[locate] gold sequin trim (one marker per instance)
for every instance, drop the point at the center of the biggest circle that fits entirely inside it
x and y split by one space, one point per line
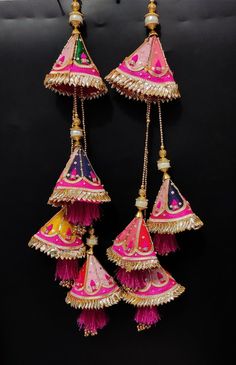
96 303
155 300
143 90
192 222
70 195
56 81
56 252
132 265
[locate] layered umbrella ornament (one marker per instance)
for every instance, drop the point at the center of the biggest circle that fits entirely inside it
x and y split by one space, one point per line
61 240
79 191
160 288
94 290
146 76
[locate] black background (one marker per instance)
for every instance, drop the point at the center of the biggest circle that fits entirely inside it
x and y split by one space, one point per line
199 39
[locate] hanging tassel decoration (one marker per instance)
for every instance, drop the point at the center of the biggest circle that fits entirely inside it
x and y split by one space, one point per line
165 243
93 291
171 212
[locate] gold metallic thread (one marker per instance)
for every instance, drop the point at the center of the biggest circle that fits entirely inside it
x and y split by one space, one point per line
70 195
93 303
155 300
137 89
55 252
181 225
132 265
58 81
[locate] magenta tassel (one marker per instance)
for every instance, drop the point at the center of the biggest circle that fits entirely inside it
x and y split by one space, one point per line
133 279
82 213
66 272
146 317
165 243
92 320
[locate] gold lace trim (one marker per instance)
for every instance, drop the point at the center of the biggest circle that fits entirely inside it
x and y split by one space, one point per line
70 195
155 300
56 81
135 88
55 252
132 265
93 303
192 222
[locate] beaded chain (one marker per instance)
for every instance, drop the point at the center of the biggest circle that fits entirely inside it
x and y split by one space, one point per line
145 160
160 124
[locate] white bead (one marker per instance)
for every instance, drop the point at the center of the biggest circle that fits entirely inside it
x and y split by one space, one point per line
76 17
151 19
163 165
92 241
76 133
141 203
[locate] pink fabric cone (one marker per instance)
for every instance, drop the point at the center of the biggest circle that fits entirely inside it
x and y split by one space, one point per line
133 279
91 320
66 271
146 316
82 213
165 243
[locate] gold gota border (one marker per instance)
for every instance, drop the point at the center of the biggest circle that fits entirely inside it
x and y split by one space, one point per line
155 300
132 265
70 195
55 252
143 90
97 303
193 222
53 81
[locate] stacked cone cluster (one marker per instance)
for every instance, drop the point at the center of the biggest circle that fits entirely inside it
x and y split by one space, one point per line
146 76
78 192
69 235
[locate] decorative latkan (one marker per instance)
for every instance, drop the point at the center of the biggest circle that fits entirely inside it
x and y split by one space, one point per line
74 68
93 291
78 191
133 249
61 240
145 76
160 288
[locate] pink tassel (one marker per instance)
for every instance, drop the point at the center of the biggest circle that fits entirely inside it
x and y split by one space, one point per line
146 317
165 243
82 213
133 280
92 320
66 272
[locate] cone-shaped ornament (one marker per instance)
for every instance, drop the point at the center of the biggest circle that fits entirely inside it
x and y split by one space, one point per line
78 182
59 239
74 67
145 74
160 288
172 213
133 249
93 291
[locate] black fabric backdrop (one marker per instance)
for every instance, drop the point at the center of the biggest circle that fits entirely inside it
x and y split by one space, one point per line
199 39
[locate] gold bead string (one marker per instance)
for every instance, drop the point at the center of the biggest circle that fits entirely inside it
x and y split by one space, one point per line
83 119
160 124
74 113
145 159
